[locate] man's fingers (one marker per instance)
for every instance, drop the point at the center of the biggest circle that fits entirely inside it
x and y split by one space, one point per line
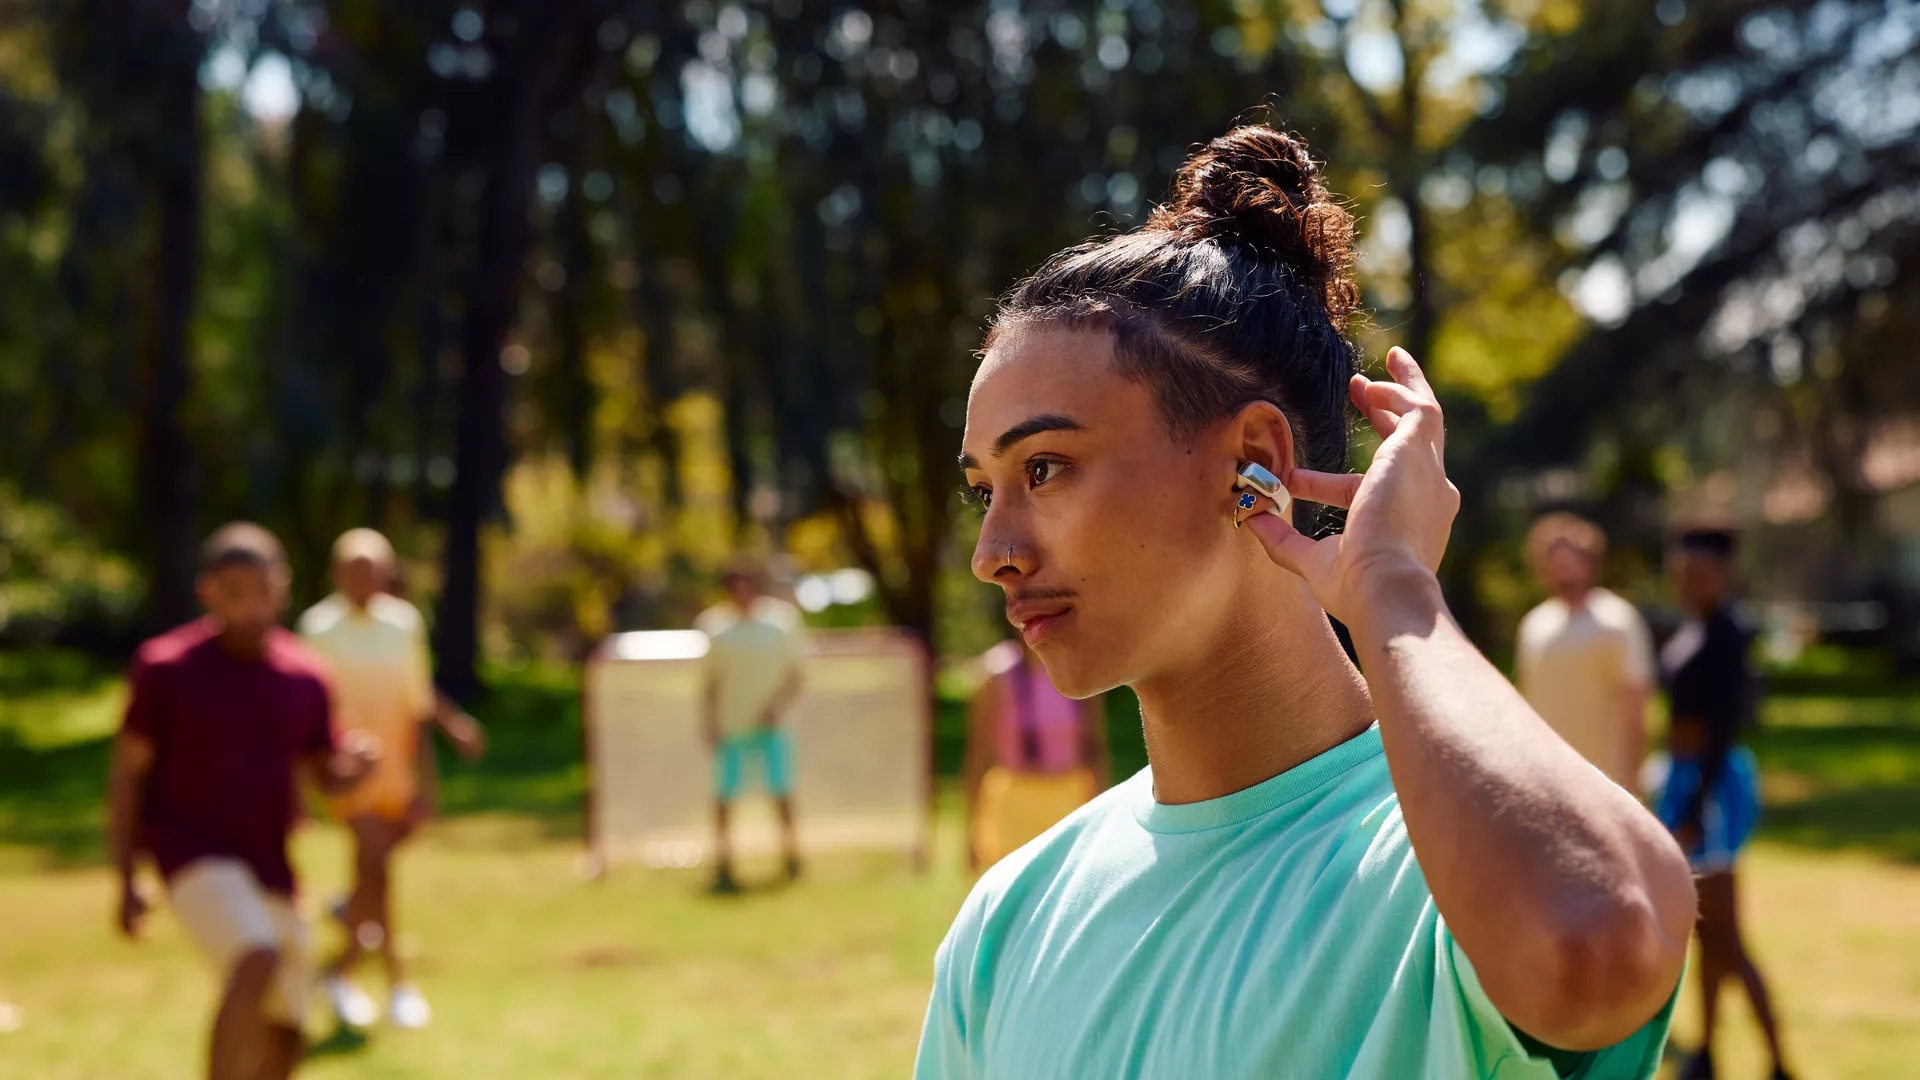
1406 371
1285 545
1332 489
1388 397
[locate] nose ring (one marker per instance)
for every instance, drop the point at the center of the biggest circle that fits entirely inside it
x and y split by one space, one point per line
1009 562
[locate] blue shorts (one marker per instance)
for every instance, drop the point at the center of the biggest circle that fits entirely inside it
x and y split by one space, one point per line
1728 815
767 750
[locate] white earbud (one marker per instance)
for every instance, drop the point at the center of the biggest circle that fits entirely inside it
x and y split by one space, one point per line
1256 478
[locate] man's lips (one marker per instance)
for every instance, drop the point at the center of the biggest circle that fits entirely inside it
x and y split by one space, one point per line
1037 616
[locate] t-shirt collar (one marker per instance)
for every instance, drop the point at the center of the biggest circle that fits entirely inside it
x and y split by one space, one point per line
1248 803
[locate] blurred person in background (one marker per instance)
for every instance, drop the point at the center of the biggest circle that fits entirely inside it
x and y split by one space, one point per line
224 713
375 647
1033 755
751 680
1584 658
1710 795
1391 872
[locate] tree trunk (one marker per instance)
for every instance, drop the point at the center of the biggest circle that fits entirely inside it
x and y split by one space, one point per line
544 71
168 481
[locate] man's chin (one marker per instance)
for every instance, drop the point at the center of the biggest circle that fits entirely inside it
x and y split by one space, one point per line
1070 676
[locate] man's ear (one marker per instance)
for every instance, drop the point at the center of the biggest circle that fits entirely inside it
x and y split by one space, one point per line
204 585
1261 434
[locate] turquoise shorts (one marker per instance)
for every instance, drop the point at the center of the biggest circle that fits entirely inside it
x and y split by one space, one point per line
767 750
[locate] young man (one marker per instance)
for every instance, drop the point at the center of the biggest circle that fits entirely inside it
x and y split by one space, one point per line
752 678
375 646
1584 658
1389 872
224 712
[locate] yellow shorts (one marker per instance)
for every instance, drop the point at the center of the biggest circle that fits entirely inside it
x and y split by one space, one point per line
227 914
388 791
1014 807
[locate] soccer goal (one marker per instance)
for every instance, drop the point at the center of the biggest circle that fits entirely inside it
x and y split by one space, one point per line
862 734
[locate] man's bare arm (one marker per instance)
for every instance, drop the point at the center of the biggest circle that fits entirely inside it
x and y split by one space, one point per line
126 782
339 770
1573 903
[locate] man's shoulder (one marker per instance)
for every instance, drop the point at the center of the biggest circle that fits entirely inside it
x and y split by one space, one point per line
294 659
1614 611
396 612
716 619
322 616
1543 616
772 609
1029 869
176 646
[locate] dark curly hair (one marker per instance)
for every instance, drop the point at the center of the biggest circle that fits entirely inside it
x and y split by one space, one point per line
1237 290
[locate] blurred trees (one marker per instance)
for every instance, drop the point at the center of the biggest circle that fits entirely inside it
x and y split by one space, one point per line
584 296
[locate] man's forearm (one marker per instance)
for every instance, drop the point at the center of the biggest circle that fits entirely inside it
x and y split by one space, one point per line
123 822
1571 901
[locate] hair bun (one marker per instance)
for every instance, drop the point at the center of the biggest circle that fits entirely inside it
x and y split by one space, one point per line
1257 187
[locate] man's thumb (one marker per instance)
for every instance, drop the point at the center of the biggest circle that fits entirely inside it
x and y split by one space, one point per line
1285 545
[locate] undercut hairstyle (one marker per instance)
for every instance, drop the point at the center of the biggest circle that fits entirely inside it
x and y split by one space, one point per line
1238 289
241 543
1561 527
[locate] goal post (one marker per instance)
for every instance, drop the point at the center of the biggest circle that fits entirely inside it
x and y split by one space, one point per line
862 730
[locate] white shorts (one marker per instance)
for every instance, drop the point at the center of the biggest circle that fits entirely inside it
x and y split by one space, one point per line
228 915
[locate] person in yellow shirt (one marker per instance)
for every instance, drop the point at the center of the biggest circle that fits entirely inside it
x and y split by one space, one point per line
375 645
752 679
1584 658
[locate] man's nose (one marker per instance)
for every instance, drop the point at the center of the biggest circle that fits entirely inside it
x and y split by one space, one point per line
997 557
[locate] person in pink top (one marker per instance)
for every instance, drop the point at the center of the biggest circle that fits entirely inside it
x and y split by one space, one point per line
1033 754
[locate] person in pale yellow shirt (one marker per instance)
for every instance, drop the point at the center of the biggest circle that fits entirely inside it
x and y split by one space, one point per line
1584 658
752 678
375 647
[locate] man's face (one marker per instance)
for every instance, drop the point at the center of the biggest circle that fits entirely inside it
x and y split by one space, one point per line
247 597
359 579
1565 568
742 590
1699 578
1120 558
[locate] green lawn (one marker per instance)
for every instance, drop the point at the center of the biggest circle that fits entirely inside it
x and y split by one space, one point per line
535 973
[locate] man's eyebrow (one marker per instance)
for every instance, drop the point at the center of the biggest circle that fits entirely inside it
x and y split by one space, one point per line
1025 429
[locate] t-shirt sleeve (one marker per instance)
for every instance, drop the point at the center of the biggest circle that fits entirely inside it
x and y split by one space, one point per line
1488 1045
944 1049
321 735
146 714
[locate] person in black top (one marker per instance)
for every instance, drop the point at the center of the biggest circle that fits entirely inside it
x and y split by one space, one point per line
1711 796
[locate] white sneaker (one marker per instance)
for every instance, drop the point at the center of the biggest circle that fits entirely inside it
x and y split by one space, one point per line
353 1006
409 1008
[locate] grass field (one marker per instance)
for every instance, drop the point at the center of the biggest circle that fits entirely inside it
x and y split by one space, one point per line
534 973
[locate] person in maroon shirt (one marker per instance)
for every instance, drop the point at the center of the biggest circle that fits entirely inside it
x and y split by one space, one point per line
224 715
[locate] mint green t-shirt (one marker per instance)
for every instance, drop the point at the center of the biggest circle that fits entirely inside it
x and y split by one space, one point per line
1284 931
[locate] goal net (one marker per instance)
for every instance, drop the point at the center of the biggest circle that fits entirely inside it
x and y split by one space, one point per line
862 745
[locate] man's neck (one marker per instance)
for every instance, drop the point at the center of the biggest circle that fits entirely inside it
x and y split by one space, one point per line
241 647
1274 690
1575 598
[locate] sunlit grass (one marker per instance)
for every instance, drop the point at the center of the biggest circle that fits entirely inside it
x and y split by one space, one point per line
536 973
